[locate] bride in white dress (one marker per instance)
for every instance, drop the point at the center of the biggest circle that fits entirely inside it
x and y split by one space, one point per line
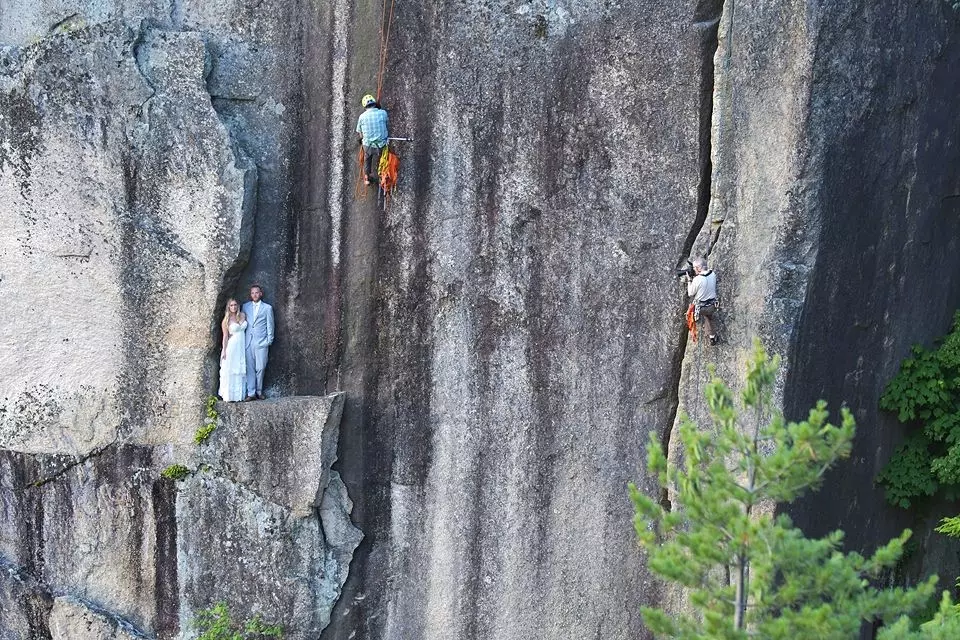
233 359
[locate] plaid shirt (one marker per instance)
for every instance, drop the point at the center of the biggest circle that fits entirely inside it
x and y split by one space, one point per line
373 126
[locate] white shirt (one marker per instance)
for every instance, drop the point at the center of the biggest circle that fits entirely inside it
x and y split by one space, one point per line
256 310
703 287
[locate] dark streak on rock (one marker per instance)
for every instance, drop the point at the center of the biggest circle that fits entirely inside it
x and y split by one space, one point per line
32 598
19 132
165 558
541 343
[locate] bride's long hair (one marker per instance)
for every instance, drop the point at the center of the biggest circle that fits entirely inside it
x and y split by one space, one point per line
226 313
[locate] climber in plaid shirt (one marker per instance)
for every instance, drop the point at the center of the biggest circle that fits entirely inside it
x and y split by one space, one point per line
372 127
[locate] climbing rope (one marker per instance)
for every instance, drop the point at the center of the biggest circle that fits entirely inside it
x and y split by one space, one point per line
386 24
385 27
359 192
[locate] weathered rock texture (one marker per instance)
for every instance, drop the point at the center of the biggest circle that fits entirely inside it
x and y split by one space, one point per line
72 619
506 328
834 213
269 531
264 527
507 332
123 213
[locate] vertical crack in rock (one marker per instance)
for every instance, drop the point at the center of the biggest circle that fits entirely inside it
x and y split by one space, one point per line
706 20
707 23
141 65
243 161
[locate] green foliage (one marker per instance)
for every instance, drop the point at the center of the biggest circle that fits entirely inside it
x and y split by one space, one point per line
925 393
945 625
950 527
211 409
908 474
203 433
216 623
749 573
209 422
175 472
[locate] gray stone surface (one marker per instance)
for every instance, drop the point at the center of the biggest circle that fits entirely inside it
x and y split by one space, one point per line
24 604
884 131
73 619
511 323
135 554
834 214
506 332
268 529
134 248
280 449
99 534
92 531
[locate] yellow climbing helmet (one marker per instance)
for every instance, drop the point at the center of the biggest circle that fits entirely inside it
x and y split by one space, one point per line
368 100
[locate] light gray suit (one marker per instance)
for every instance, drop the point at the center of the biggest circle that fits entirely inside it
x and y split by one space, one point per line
259 338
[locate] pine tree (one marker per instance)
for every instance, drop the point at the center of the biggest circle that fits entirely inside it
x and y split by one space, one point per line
750 574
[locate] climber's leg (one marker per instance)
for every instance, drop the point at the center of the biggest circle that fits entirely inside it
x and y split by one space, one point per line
371 160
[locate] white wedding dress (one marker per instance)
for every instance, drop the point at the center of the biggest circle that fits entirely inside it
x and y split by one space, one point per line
233 368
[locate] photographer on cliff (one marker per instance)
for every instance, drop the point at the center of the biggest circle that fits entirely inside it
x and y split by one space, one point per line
702 288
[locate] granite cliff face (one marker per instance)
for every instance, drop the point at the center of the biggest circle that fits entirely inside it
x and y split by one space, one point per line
502 337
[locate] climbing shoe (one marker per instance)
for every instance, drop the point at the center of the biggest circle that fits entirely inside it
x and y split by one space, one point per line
713 340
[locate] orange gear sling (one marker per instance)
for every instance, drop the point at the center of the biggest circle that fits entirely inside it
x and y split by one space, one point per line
692 322
388 169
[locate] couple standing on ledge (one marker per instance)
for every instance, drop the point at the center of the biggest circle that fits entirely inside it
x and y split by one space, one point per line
247 335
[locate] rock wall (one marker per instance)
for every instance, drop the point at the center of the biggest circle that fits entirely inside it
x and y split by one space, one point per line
506 329
128 218
833 226
124 211
885 129
506 332
269 529
262 524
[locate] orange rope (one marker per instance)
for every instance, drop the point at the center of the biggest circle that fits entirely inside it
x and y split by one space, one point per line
384 45
383 18
692 322
359 190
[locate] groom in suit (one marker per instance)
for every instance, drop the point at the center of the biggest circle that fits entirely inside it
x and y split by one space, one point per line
259 337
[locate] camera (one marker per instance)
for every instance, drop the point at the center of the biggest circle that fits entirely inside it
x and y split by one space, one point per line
686 271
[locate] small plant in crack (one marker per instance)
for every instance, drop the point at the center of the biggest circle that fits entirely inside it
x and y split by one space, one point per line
217 623
175 472
209 421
